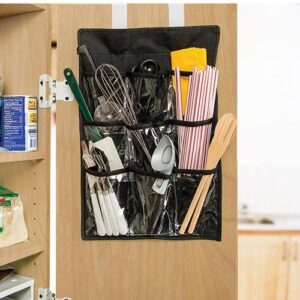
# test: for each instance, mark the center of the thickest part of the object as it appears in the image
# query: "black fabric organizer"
(123, 48)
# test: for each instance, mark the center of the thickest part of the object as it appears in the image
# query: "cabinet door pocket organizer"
(147, 213)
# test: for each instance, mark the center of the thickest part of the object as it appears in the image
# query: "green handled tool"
(70, 77)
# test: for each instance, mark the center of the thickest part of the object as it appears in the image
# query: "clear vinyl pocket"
(153, 214)
(148, 213)
(209, 223)
(105, 205)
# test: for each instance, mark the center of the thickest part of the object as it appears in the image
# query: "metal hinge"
(57, 90)
(46, 294)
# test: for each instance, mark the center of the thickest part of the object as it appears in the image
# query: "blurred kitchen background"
(269, 151)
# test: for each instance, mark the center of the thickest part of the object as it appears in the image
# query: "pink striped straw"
(202, 137)
(188, 117)
(193, 142)
(185, 117)
(196, 117)
(202, 132)
(192, 117)
(211, 109)
(178, 108)
(210, 99)
(198, 137)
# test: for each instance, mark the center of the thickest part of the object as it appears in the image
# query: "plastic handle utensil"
(119, 213)
(70, 77)
(111, 215)
(98, 217)
(104, 213)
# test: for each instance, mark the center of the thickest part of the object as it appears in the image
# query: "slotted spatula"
(224, 133)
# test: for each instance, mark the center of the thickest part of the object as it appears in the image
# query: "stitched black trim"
(134, 170)
(150, 124)
(147, 75)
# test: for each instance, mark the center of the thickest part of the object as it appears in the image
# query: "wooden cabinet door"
(263, 267)
(294, 270)
(141, 269)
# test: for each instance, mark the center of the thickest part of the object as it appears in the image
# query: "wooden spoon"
(224, 132)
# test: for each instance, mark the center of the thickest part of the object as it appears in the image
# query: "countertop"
(259, 222)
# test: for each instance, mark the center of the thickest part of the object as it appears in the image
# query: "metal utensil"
(163, 160)
(111, 84)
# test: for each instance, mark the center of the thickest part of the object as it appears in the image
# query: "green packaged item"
(4, 192)
(12, 224)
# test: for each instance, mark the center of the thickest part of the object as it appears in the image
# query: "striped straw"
(193, 142)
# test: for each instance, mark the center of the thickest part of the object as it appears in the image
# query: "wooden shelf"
(19, 251)
(6, 157)
(9, 10)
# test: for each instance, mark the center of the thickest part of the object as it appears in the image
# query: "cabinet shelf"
(6, 157)
(19, 251)
(9, 10)
(17, 286)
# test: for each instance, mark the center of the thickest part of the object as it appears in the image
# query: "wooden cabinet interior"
(24, 55)
(10, 10)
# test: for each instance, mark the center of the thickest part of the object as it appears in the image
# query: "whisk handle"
(69, 75)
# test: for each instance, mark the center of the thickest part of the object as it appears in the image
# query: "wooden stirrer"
(224, 132)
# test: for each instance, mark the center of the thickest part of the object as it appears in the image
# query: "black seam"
(137, 171)
(149, 124)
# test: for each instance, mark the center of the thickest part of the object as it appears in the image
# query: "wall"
(269, 107)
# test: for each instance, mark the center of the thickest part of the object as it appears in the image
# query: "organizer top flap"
(122, 47)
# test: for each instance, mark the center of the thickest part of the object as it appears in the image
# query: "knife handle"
(98, 217)
(104, 213)
(111, 215)
(118, 211)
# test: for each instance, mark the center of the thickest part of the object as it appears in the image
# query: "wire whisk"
(111, 84)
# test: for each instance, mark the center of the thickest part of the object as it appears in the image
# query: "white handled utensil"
(111, 215)
(119, 213)
(98, 217)
(89, 162)
(104, 212)
(95, 204)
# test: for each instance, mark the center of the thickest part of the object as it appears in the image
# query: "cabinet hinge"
(46, 294)
(57, 90)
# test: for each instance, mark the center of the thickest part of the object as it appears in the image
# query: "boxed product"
(18, 123)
